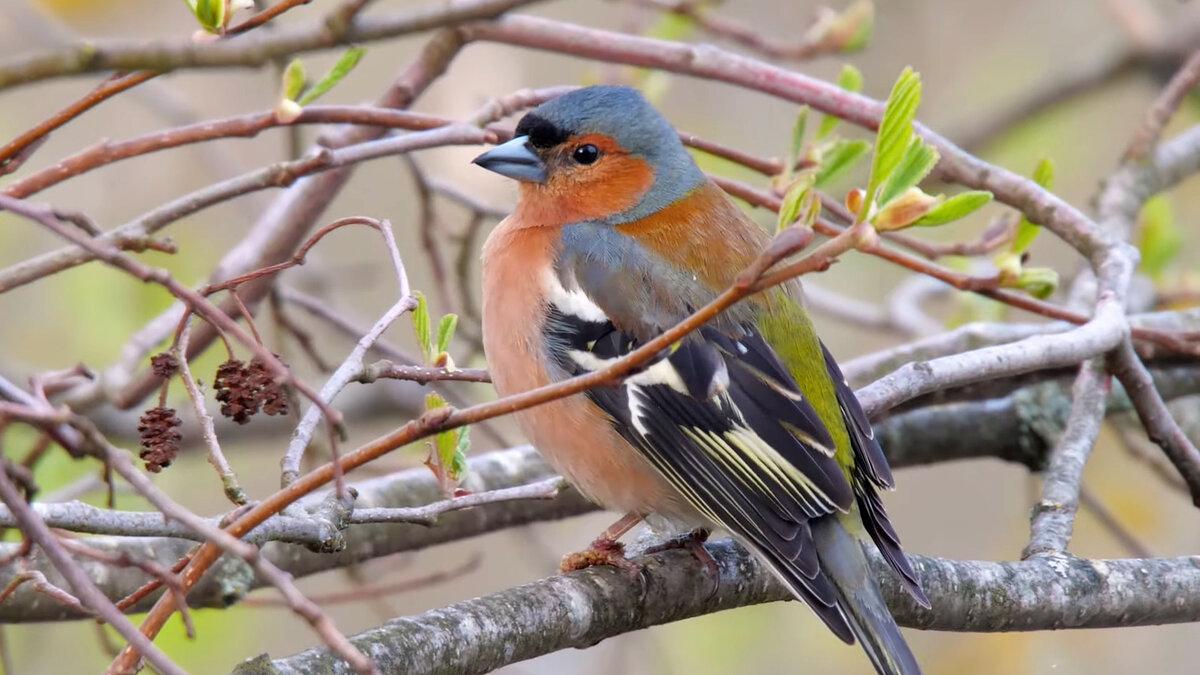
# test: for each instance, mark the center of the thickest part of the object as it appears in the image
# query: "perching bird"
(746, 425)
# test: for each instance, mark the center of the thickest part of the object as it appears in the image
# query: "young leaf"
(911, 205)
(293, 79)
(457, 463)
(445, 331)
(794, 201)
(797, 140)
(895, 130)
(344, 65)
(955, 207)
(1026, 231)
(420, 319)
(1159, 238)
(210, 14)
(1039, 282)
(852, 28)
(916, 163)
(840, 157)
(849, 79)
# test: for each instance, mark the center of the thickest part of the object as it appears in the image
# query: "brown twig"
(264, 16)
(238, 126)
(817, 39)
(111, 87)
(1160, 425)
(983, 286)
(1163, 108)
(378, 590)
(80, 583)
(195, 301)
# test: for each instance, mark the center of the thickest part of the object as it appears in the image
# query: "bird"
(746, 425)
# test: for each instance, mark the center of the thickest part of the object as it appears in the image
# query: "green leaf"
(916, 163)
(671, 26)
(1159, 238)
(839, 158)
(797, 140)
(1040, 282)
(293, 79)
(895, 131)
(794, 200)
(904, 210)
(851, 30)
(445, 331)
(344, 65)
(849, 79)
(457, 462)
(1043, 175)
(420, 319)
(210, 14)
(955, 207)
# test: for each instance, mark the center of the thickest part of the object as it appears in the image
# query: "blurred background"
(977, 60)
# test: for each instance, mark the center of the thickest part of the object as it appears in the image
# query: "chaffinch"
(746, 425)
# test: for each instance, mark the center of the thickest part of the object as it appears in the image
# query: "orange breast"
(574, 436)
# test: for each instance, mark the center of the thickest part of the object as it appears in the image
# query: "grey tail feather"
(843, 561)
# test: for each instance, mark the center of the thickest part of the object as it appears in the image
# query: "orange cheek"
(614, 184)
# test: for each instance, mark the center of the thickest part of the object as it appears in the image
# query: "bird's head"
(598, 153)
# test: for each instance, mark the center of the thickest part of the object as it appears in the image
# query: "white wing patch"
(571, 301)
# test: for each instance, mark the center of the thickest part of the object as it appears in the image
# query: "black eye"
(586, 154)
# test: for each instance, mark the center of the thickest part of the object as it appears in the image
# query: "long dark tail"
(845, 564)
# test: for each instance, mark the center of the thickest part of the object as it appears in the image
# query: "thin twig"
(378, 590)
(1160, 425)
(422, 374)
(1054, 513)
(1164, 107)
(428, 514)
(80, 583)
(229, 482)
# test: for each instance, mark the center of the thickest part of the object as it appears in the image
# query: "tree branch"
(258, 48)
(582, 608)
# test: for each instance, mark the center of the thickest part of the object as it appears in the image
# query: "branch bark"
(314, 538)
(583, 608)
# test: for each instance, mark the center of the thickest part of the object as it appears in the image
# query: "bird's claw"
(692, 541)
(601, 552)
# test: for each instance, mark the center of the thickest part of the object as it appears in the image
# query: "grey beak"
(515, 159)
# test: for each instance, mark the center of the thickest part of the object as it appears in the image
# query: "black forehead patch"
(542, 132)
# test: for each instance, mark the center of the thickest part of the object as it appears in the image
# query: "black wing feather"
(870, 472)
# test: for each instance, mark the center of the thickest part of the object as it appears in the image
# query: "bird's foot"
(692, 541)
(601, 552)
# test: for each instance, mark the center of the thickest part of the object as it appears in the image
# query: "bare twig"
(257, 49)
(353, 364)
(423, 374)
(229, 482)
(428, 515)
(377, 590)
(80, 583)
(1157, 420)
(1163, 109)
(1054, 513)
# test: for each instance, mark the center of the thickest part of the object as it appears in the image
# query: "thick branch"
(1015, 428)
(580, 609)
